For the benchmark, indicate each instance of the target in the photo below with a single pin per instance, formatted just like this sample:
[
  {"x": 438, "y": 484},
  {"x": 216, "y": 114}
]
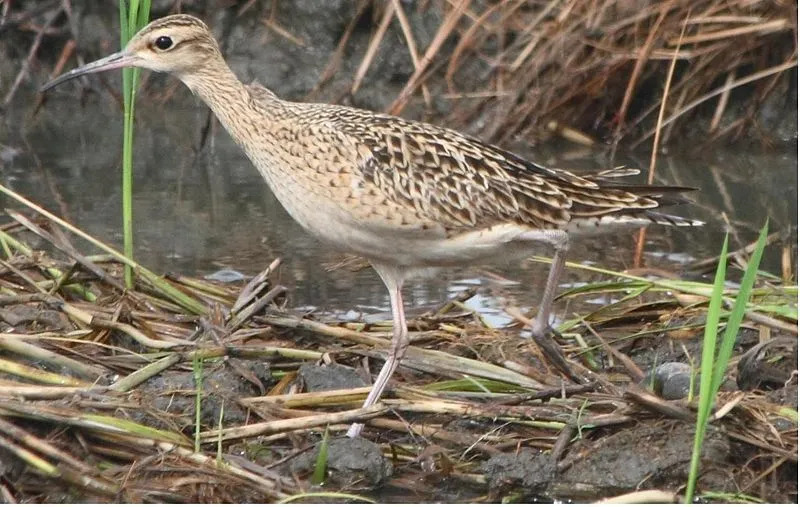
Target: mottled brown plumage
[{"x": 406, "y": 195}]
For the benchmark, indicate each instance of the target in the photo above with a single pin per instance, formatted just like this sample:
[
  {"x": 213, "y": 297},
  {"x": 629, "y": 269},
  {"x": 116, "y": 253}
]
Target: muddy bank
[{"x": 157, "y": 395}]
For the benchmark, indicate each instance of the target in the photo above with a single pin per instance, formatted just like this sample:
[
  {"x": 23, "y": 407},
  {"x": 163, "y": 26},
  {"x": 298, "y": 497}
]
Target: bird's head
[{"x": 178, "y": 44}]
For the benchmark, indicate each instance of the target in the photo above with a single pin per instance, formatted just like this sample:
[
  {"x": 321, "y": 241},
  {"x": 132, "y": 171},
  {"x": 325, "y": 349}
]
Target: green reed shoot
[
  {"x": 133, "y": 15},
  {"x": 712, "y": 369},
  {"x": 321, "y": 463}
]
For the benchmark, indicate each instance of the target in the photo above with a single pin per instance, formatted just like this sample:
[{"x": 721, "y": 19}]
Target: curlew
[{"x": 408, "y": 196}]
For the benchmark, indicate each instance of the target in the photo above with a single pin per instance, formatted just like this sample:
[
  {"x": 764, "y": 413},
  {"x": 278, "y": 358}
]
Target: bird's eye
[{"x": 163, "y": 43}]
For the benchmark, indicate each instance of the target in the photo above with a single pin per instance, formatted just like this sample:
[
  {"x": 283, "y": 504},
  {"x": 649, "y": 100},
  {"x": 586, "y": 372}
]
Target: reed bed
[
  {"x": 588, "y": 70},
  {"x": 114, "y": 394},
  {"x": 584, "y": 70}
]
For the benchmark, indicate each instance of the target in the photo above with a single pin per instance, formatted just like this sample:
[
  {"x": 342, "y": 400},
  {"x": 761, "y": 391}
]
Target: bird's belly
[
  {"x": 381, "y": 239},
  {"x": 447, "y": 252},
  {"x": 414, "y": 248}
]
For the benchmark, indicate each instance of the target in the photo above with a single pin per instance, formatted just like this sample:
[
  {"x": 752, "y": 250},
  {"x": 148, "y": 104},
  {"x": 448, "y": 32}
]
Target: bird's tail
[{"x": 586, "y": 226}]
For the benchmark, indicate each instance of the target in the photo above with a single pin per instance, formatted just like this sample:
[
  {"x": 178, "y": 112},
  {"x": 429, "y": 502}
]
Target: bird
[{"x": 410, "y": 197}]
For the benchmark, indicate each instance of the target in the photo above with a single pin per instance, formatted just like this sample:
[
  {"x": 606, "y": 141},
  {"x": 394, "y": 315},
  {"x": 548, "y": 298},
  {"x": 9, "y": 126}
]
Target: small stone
[{"x": 671, "y": 380}]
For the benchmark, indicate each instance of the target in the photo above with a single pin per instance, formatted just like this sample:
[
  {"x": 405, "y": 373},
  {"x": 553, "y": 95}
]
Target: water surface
[{"x": 200, "y": 206}]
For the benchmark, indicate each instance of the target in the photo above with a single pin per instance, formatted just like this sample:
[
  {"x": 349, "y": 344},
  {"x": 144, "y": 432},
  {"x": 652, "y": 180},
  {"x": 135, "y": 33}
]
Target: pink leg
[
  {"x": 394, "y": 283},
  {"x": 549, "y": 294},
  {"x": 540, "y": 326}
]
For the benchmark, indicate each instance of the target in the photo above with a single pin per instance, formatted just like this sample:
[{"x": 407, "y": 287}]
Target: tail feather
[
  {"x": 613, "y": 203},
  {"x": 673, "y": 220},
  {"x": 590, "y": 225},
  {"x": 653, "y": 191}
]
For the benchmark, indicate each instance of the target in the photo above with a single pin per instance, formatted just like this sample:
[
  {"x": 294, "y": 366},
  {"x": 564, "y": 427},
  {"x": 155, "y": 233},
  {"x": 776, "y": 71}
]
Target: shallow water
[{"x": 197, "y": 210}]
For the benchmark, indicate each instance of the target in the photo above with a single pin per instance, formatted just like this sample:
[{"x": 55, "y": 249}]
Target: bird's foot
[{"x": 545, "y": 337}]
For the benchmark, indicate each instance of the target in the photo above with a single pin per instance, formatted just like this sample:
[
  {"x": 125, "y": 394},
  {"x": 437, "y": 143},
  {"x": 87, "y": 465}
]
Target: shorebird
[{"x": 407, "y": 196}]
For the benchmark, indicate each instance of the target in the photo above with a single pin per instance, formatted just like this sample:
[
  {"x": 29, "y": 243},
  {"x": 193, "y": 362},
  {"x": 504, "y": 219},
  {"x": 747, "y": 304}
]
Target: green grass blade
[
  {"x": 124, "y": 31},
  {"x": 144, "y": 14},
  {"x": 707, "y": 369},
  {"x": 127, "y": 180},
  {"x": 787, "y": 312},
  {"x": 133, "y": 16},
  {"x": 321, "y": 465},
  {"x": 739, "y": 306}
]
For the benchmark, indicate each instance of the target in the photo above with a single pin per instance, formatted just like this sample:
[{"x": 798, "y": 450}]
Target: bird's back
[{"x": 392, "y": 172}]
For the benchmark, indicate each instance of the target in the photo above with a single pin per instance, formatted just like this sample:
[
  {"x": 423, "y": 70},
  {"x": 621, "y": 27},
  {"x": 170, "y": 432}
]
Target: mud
[
  {"x": 653, "y": 456},
  {"x": 32, "y": 318},
  {"x": 769, "y": 365},
  {"x": 171, "y": 397},
  {"x": 527, "y": 471}
]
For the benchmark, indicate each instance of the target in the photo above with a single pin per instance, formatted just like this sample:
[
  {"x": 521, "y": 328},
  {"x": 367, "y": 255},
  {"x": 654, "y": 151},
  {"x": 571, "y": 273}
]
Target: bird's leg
[
  {"x": 561, "y": 243},
  {"x": 399, "y": 345},
  {"x": 541, "y": 325}
]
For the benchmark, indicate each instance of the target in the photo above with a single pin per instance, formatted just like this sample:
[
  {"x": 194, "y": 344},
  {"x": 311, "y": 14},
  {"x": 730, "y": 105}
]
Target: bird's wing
[{"x": 461, "y": 182}]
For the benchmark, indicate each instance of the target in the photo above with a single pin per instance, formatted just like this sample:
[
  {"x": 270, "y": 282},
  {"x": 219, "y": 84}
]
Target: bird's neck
[{"x": 229, "y": 99}]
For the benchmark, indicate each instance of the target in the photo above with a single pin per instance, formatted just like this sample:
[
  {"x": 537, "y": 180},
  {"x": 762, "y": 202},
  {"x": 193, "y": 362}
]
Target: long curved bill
[{"x": 113, "y": 61}]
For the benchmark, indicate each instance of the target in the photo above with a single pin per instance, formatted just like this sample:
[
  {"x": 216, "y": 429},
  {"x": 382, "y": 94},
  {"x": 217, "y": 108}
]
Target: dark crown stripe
[{"x": 174, "y": 21}]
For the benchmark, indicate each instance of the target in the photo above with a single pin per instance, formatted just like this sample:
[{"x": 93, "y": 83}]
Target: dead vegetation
[
  {"x": 126, "y": 395},
  {"x": 587, "y": 68},
  {"x": 583, "y": 69}
]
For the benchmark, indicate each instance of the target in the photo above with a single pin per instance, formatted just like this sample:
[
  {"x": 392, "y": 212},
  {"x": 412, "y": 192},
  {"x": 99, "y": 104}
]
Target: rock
[
  {"x": 328, "y": 377},
  {"x": 526, "y": 470},
  {"x": 352, "y": 463},
  {"x": 672, "y": 381}
]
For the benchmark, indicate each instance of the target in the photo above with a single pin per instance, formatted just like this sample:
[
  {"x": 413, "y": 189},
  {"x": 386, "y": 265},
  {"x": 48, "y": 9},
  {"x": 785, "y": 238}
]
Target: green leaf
[
  {"x": 321, "y": 465},
  {"x": 707, "y": 369},
  {"x": 785, "y": 311},
  {"x": 132, "y": 17},
  {"x": 739, "y": 307}
]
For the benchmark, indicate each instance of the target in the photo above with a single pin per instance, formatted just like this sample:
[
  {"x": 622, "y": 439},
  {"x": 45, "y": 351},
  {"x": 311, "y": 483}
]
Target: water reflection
[{"x": 197, "y": 211}]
